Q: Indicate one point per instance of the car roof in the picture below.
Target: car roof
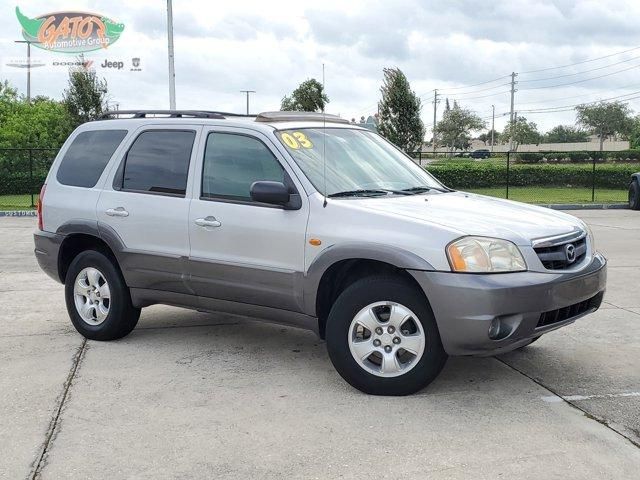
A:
(268, 121)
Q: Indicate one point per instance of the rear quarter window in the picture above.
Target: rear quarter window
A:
(87, 156)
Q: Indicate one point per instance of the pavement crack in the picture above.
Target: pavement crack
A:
(55, 419)
(571, 403)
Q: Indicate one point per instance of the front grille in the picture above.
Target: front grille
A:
(565, 313)
(554, 257)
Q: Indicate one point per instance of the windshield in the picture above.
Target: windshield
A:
(356, 161)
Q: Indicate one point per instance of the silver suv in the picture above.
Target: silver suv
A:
(306, 220)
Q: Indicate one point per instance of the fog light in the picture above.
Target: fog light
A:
(494, 329)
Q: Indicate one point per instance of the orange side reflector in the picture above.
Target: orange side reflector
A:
(315, 242)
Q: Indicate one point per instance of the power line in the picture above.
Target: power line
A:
(476, 91)
(583, 80)
(584, 103)
(633, 85)
(582, 62)
(579, 73)
(478, 84)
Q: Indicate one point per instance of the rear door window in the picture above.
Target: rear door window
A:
(86, 157)
(158, 162)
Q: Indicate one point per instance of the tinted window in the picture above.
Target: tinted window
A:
(233, 162)
(87, 156)
(158, 161)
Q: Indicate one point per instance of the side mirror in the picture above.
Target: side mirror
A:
(275, 193)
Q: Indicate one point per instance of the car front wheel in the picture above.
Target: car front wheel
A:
(382, 337)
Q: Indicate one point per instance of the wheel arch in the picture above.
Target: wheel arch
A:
(338, 267)
(83, 235)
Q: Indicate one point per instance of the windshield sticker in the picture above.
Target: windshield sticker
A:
(295, 140)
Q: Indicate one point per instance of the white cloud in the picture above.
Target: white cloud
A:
(223, 47)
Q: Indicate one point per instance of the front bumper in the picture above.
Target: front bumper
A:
(464, 305)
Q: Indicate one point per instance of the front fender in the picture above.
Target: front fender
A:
(395, 256)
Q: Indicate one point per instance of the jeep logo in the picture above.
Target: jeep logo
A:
(570, 252)
(117, 65)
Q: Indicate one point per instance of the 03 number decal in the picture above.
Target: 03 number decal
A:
(295, 140)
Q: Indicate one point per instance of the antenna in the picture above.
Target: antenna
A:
(324, 142)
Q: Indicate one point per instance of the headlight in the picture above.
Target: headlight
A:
(484, 255)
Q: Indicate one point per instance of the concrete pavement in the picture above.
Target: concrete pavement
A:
(193, 395)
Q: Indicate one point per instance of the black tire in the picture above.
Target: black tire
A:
(365, 292)
(121, 318)
(634, 195)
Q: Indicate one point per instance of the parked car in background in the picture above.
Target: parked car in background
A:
(634, 192)
(306, 220)
(480, 153)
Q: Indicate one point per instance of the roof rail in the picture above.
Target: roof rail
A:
(166, 113)
(298, 116)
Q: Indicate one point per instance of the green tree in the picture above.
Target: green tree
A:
(308, 97)
(86, 96)
(523, 131)
(486, 137)
(565, 134)
(605, 119)
(454, 130)
(45, 123)
(634, 133)
(399, 119)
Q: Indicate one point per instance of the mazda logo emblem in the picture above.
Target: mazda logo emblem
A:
(570, 252)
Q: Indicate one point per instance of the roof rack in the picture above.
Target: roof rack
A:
(298, 116)
(169, 113)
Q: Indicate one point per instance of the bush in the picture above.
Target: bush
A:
(488, 175)
(575, 157)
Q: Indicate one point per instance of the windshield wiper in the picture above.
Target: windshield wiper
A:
(355, 193)
(416, 190)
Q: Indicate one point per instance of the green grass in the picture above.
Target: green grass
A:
(16, 202)
(555, 194)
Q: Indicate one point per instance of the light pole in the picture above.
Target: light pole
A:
(172, 69)
(28, 42)
(248, 92)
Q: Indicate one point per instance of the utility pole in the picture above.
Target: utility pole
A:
(493, 122)
(513, 91)
(28, 42)
(435, 104)
(248, 92)
(172, 68)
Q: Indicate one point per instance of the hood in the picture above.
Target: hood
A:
(473, 214)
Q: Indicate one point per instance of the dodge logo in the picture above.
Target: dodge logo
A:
(570, 252)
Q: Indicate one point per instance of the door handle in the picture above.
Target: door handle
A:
(117, 212)
(209, 221)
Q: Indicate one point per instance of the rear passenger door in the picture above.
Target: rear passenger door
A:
(241, 250)
(147, 206)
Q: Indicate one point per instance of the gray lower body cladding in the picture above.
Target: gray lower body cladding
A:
(465, 305)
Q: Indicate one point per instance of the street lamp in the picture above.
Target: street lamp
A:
(248, 92)
(172, 69)
(28, 42)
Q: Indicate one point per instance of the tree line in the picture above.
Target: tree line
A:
(43, 122)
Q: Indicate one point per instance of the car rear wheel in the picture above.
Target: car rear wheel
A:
(634, 195)
(98, 300)
(382, 337)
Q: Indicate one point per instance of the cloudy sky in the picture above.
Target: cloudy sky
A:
(222, 47)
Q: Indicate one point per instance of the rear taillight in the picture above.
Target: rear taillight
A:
(39, 207)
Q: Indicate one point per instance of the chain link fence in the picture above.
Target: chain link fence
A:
(540, 177)
(22, 173)
(537, 177)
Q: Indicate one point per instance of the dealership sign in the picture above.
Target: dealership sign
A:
(70, 32)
